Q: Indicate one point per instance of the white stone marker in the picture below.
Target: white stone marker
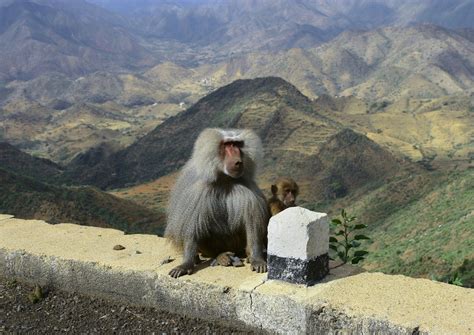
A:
(298, 245)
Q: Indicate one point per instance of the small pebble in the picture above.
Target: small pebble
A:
(167, 260)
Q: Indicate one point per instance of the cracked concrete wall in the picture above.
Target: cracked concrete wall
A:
(82, 259)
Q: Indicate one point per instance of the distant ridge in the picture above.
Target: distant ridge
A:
(30, 188)
(75, 74)
(253, 103)
(349, 162)
(71, 37)
(280, 23)
(296, 139)
(27, 198)
(40, 169)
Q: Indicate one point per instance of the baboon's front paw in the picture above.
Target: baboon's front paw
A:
(259, 266)
(225, 258)
(181, 270)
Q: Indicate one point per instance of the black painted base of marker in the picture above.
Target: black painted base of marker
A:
(298, 271)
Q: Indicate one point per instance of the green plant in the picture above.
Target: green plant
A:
(452, 279)
(456, 281)
(345, 241)
(461, 276)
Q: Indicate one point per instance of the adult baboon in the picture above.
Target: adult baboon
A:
(284, 193)
(216, 206)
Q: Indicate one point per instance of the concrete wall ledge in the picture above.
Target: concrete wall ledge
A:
(82, 259)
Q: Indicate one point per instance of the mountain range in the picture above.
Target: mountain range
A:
(292, 131)
(237, 25)
(368, 104)
(430, 208)
(416, 214)
(404, 69)
(33, 188)
(79, 37)
(70, 37)
(334, 166)
(422, 61)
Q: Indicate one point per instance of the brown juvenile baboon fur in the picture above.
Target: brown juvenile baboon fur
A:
(284, 193)
(216, 206)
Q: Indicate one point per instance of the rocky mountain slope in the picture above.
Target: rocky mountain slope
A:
(298, 141)
(436, 132)
(420, 76)
(349, 162)
(336, 168)
(71, 37)
(31, 188)
(76, 74)
(423, 227)
(422, 61)
(274, 108)
(40, 169)
(240, 25)
(119, 90)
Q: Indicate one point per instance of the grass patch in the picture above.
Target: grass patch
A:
(430, 236)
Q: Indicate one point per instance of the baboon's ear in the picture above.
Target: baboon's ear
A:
(274, 189)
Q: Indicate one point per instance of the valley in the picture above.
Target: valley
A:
(369, 105)
(377, 77)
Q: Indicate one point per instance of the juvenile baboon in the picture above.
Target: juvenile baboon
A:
(284, 193)
(216, 206)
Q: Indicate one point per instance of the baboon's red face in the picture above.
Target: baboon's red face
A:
(232, 158)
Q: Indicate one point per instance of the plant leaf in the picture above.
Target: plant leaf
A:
(342, 256)
(333, 247)
(340, 232)
(333, 239)
(360, 253)
(336, 221)
(355, 244)
(356, 260)
(361, 237)
(360, 226)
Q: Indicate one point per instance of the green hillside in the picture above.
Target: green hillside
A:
(27, 198)
(430, 235)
